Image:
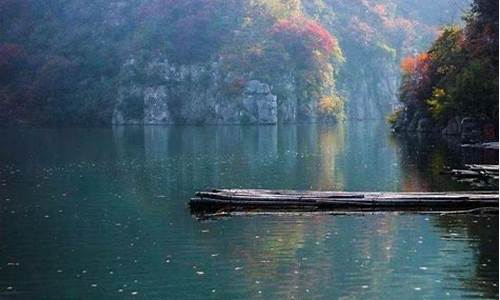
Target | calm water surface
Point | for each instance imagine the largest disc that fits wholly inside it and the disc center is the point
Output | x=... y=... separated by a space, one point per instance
x=102 y=214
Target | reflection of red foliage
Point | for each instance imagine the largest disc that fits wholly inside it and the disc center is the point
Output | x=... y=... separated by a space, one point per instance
x=312 y=36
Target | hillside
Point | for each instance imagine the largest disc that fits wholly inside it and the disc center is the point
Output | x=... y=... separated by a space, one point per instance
x=200 y=61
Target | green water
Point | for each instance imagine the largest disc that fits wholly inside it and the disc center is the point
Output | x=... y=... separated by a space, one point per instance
x=102 y=214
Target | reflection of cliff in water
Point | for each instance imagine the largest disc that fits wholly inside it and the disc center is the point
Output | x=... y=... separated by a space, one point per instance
x=348 y=156
x=291 y=156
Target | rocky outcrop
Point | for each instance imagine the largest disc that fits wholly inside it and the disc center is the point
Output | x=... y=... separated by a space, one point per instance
x=285 y=89
x=156 y=106
x=160 y=93
x=457 y=129
x=372 y=91
x=258 y=105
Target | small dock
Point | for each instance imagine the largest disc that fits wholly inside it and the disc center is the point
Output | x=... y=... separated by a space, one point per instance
x=230 y=200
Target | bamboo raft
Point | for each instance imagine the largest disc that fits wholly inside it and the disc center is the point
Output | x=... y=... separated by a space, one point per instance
x=230 y=200
x=475 y=171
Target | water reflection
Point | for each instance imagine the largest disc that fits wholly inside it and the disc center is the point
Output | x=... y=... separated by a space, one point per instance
x=425 y=157
x=483 y=241
x=112 y=203
x=308 y=156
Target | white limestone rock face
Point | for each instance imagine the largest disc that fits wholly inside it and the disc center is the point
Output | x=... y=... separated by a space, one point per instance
x=156 y=110
x=258 y=105
x=158 y=92
x=287 y=99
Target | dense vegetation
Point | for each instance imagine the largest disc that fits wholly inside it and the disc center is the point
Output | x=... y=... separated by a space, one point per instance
x=60 y=60
x=458 y=75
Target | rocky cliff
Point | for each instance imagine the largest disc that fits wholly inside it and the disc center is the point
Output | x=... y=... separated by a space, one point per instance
x=371 y=91
x=159 y=93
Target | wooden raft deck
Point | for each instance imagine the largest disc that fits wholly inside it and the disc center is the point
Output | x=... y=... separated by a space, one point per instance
x=227 y=200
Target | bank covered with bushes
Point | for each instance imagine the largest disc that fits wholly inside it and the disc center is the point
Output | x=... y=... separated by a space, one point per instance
x=454 y=85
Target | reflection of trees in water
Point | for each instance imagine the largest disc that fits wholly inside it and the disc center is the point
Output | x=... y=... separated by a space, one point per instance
x=292 y=156
x=482 y=230
x=470 y=155
x=324 y=255
x=369 y=163
x=351 y=156
x=423 y=160
x=318 y=253
x=331 y=140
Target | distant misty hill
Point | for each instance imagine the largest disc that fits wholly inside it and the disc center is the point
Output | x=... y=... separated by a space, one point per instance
x=208 y=62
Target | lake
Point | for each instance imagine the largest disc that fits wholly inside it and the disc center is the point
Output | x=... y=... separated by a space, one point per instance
x=102 y=214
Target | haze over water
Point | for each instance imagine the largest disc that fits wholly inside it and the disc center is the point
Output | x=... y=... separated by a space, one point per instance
x=102 y=213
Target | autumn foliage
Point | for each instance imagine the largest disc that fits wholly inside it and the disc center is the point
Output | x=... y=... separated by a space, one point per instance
x=415 y=65
x=63 y=58
x=305 y=34
x=458 y=75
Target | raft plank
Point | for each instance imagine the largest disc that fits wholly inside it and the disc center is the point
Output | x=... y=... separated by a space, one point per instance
x=490 y=168
x=237 y=199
